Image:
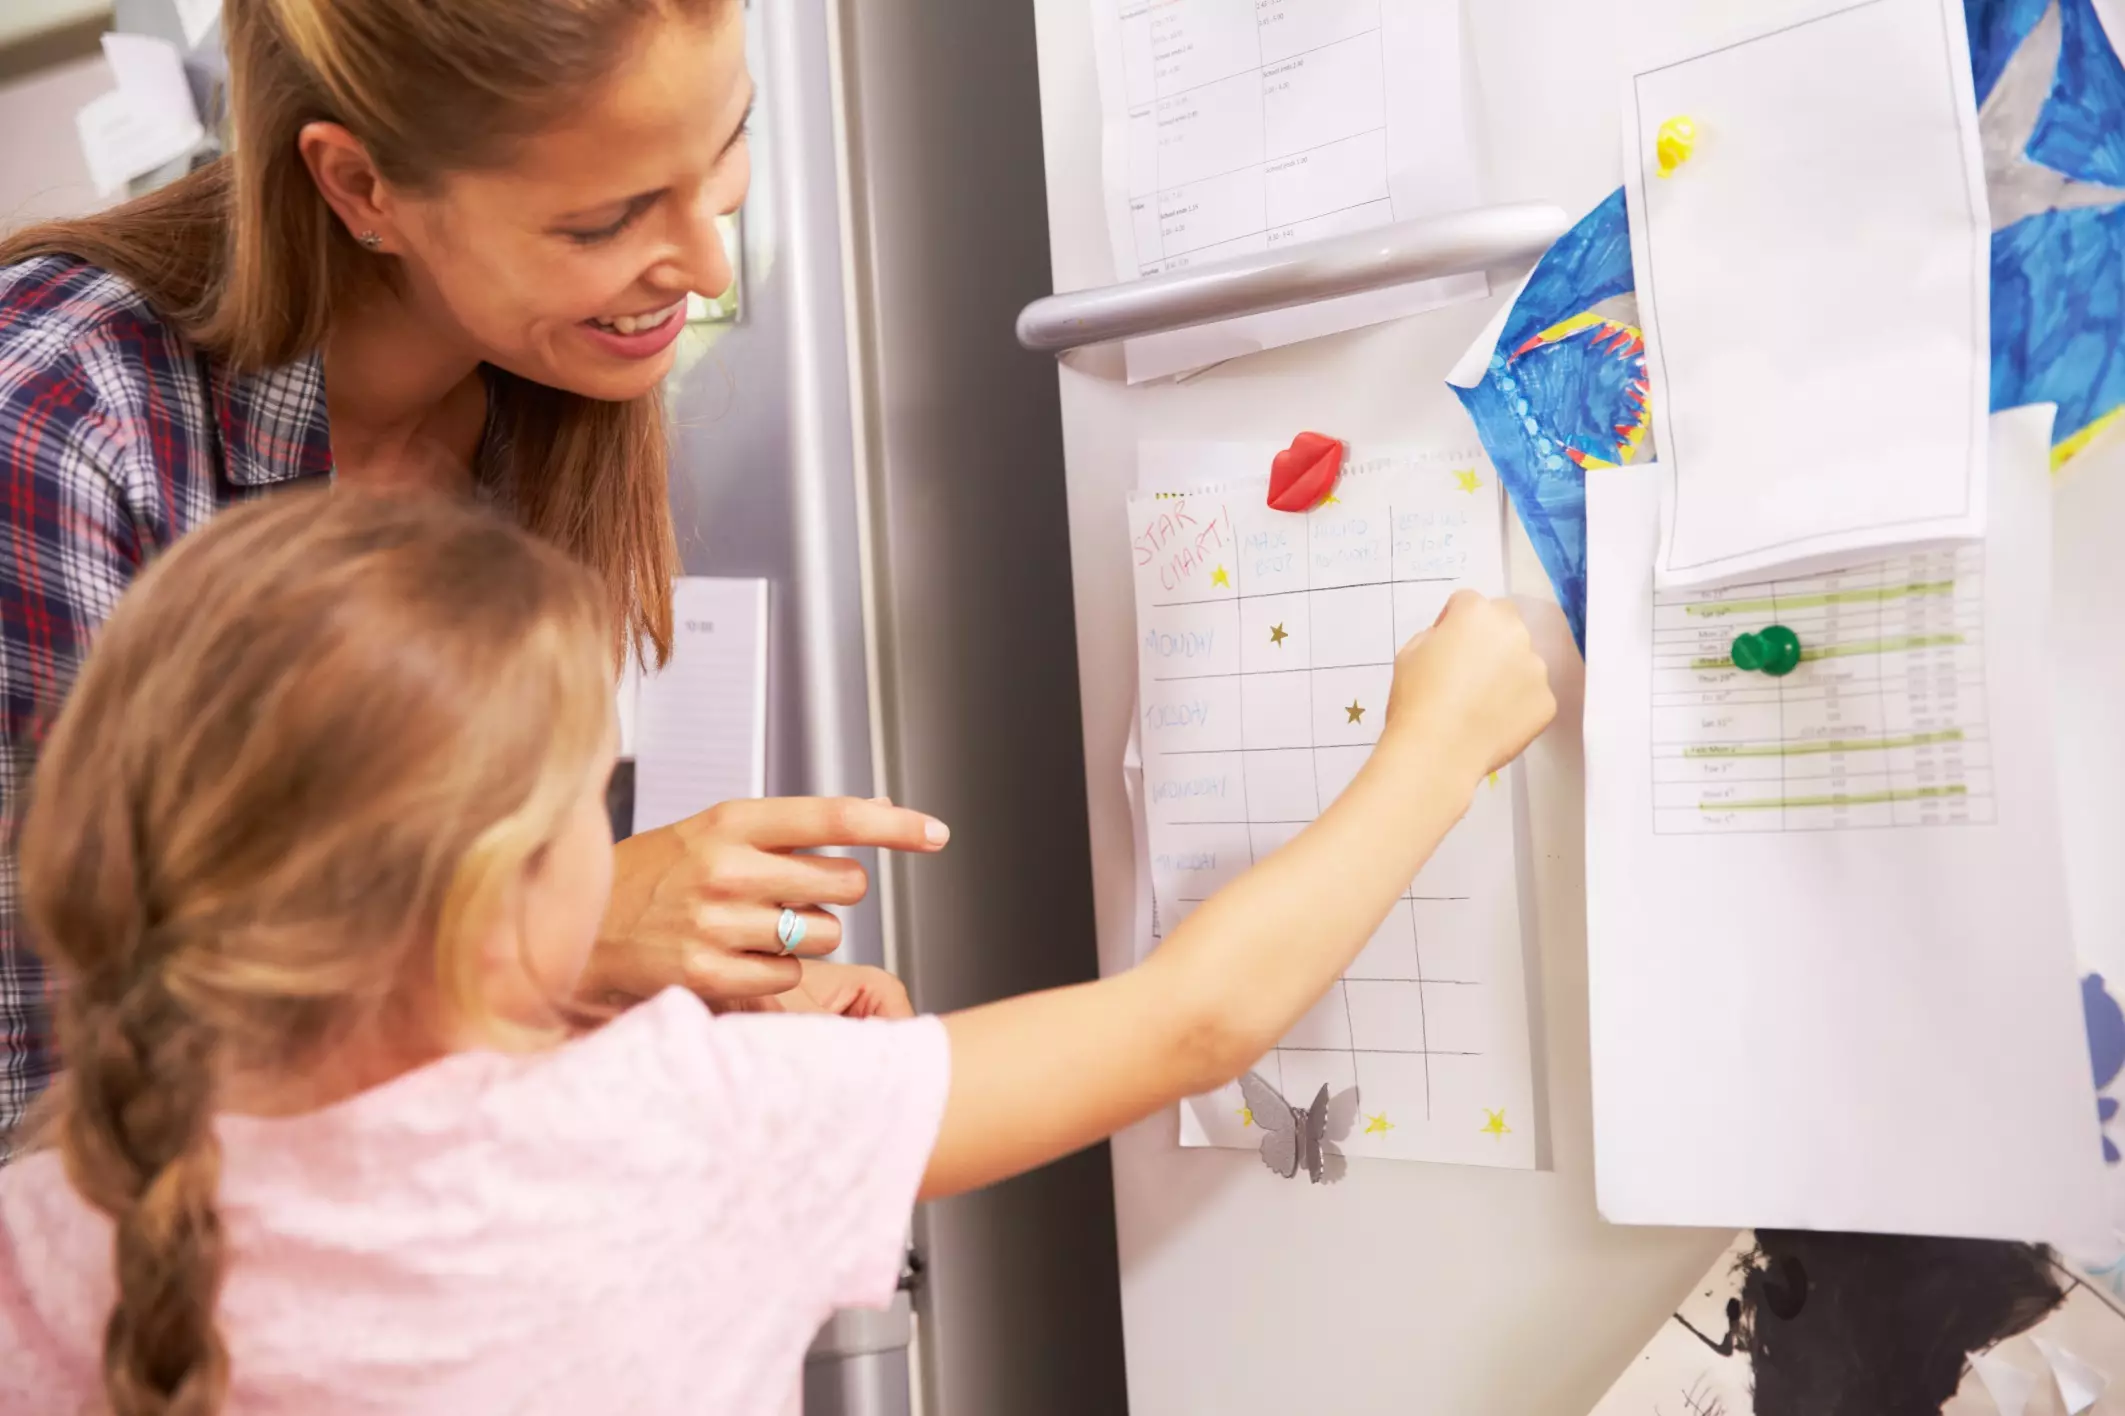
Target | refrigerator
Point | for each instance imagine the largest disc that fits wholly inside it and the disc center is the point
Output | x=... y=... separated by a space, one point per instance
x=941 y=515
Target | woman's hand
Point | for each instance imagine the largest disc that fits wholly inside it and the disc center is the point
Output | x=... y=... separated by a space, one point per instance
x=696 y=904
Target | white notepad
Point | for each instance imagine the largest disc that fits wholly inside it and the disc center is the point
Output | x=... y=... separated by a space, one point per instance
x=1831 y=975
x=1814 y=282
x=700 y=723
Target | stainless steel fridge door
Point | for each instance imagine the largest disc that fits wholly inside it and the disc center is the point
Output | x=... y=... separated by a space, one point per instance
x=1018 y=1311
x=765 y=483
x=871 y=440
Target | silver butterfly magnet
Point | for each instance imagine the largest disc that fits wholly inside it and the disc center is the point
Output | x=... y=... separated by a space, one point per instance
x=1292 y=1137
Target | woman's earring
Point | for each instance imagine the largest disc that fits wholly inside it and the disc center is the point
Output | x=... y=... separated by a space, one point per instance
x=370 y=241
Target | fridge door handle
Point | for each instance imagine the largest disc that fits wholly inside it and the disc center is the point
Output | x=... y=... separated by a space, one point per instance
x=1300 y=274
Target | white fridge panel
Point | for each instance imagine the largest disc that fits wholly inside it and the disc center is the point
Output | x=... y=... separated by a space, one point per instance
x=1408 y=1287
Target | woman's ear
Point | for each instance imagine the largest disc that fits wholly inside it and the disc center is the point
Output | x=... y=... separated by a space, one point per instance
x=349 y=183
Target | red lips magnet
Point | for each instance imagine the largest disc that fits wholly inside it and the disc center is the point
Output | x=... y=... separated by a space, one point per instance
x=1304 y=473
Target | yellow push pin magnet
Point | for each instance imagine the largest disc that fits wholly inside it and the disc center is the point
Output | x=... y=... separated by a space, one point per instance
x=1674 y=143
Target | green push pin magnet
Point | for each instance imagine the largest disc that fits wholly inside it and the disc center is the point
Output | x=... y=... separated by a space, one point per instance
x=1773 y=650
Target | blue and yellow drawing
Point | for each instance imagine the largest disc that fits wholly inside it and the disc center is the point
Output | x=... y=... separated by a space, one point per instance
x=1566 y=390
x=2106 y=1052
x=2058 y=274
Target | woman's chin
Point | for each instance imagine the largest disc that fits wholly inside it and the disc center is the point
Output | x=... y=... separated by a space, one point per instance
x=600 y=376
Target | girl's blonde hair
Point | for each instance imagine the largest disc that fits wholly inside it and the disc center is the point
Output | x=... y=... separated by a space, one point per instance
x=248 y=260
x=303 y=765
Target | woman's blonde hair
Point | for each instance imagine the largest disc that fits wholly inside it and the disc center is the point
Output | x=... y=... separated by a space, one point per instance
x=306 y=761
x=248 y=260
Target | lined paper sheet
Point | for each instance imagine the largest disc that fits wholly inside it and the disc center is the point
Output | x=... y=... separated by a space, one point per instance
x=1831 y=973
x=1814 y=283
x=700 y=732
x=1266 y=649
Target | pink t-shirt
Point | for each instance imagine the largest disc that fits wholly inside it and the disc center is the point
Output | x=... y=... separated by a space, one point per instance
x=655 y=1218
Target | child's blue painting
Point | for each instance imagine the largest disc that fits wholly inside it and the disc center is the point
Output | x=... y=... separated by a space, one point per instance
x=1565 y=389
x=2106 y=1051
x=1997 y=29
x=1566 y=386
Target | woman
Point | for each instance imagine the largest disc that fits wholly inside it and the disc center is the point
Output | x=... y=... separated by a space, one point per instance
x=450 y=254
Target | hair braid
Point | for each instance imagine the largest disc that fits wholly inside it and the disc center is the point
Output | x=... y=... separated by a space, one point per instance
x=139 y=1142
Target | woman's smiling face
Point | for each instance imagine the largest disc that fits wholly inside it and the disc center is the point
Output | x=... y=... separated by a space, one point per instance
x=571 y=265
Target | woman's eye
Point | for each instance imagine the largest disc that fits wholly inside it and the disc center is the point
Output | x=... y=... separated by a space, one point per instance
x=603 y=233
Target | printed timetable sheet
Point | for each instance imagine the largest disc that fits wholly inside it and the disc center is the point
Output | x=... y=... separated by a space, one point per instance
x=1831 y=969
x=1266 y=650
x=1883 y=724
x=1233 y=127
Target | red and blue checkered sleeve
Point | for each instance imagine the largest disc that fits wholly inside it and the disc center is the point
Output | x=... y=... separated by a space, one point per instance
x=69 y=547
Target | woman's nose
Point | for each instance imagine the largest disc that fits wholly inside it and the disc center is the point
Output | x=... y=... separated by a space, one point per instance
x=707 y=258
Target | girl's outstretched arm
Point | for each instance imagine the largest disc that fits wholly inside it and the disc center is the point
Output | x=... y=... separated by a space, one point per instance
x=1037 y=1077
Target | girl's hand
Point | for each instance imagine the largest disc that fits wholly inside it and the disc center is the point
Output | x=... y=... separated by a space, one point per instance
x=843 y=990
x=696 y=904
x=1472 y=684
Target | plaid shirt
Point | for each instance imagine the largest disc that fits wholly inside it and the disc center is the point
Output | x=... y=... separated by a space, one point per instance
x=117 y=436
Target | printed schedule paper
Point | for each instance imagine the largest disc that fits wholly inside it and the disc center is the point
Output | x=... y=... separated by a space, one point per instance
x=1814 y=279
x=1266 y=651
x=1233 y=127
x=1831 y=974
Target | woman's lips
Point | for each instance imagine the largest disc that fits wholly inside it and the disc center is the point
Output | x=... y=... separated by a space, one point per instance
x=649 y=336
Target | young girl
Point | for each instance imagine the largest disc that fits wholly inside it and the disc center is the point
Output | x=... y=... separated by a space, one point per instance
x=317 y=847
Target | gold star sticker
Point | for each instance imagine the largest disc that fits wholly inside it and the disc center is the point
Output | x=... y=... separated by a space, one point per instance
x=1467 y=481
x=1330 y=500
x=1356 y=711
x=1496 y=1126
x=1378 y=1125
x=1218 y=577
x=1277 y=636
x=1246 y=1116
x=1494 y=779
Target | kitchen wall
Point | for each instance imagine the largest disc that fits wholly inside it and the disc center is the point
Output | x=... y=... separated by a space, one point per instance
x=42 y=174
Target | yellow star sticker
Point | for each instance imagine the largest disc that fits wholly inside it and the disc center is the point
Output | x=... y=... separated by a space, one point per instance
x=1496 y=1126
x=1494 y=779
x=1219 y=577
x=1330 y=500
x=1277 y=635
x=1467 y=480
x=1246 y=1116
x=1356 y=711
x=1378 y=1125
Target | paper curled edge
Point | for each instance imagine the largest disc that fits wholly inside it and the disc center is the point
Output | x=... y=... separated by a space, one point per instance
x=2079 y=1384
x=2008 y=1385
